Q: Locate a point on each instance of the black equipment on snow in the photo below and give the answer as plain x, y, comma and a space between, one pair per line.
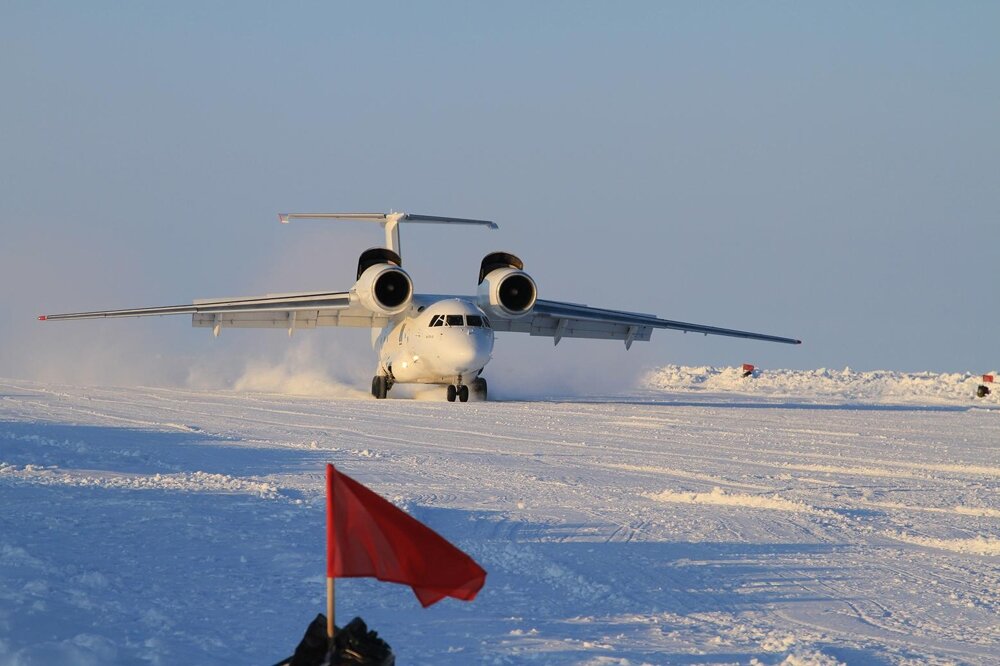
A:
353, 645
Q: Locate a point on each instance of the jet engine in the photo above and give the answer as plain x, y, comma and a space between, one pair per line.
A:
383, 286
505, 290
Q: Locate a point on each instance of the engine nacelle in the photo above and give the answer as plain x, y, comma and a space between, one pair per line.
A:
505, 290
383, 286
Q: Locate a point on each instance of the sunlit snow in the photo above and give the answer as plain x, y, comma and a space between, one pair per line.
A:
789, 518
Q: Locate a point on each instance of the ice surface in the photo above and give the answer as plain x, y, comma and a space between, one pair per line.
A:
794, 518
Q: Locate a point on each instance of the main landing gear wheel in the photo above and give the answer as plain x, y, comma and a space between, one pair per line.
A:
479, 388
461, 392
380, 387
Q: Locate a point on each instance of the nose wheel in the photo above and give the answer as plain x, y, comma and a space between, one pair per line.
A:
461, 392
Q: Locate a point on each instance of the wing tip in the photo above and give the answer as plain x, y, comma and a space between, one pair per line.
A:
283, 218
42, 317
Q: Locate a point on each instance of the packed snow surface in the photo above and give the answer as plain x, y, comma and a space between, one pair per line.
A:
789, 518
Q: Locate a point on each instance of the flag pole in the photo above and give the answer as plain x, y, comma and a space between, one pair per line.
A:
331, 542
330, 606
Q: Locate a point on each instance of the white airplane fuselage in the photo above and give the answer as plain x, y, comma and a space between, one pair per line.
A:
445, 342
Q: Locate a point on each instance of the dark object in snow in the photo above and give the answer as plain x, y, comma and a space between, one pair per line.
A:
982, 391
314, 646
353, 645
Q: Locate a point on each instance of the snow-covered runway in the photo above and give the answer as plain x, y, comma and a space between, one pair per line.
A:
172, 526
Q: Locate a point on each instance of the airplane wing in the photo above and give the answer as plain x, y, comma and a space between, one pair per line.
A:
321, 308
296, 310
570, 320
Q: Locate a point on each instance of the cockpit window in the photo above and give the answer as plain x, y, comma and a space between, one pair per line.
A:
476, 321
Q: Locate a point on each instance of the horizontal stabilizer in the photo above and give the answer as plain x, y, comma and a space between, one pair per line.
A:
389, 221
385, 218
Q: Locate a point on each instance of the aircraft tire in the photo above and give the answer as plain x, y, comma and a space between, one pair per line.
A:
479, 388
451, 393
380, 387
463, 393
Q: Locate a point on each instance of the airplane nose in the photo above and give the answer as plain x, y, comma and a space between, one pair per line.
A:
469, 352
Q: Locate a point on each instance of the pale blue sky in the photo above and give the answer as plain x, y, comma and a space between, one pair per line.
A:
829, 171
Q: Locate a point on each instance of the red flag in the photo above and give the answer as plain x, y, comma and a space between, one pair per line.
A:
366, 536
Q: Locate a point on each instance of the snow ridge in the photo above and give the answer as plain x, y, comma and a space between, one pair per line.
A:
720, 497
185, 481
978, 545
875, 386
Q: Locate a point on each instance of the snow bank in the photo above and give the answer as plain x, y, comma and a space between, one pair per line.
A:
184, 481
720, 497
876, 386
979, 545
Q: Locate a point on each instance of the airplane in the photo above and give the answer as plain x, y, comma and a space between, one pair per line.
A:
425, 338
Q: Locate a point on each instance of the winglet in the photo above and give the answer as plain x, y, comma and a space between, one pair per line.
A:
42, 317
283, 218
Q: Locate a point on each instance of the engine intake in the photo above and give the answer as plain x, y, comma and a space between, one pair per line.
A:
505, 290
383, 286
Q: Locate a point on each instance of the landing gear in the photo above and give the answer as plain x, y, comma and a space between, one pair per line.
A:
479, 388
461, 392
380, 386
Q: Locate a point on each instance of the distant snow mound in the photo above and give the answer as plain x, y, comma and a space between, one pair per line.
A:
875, 386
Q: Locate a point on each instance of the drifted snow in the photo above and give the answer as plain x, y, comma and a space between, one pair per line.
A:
876, 386
720, 497
798, 518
